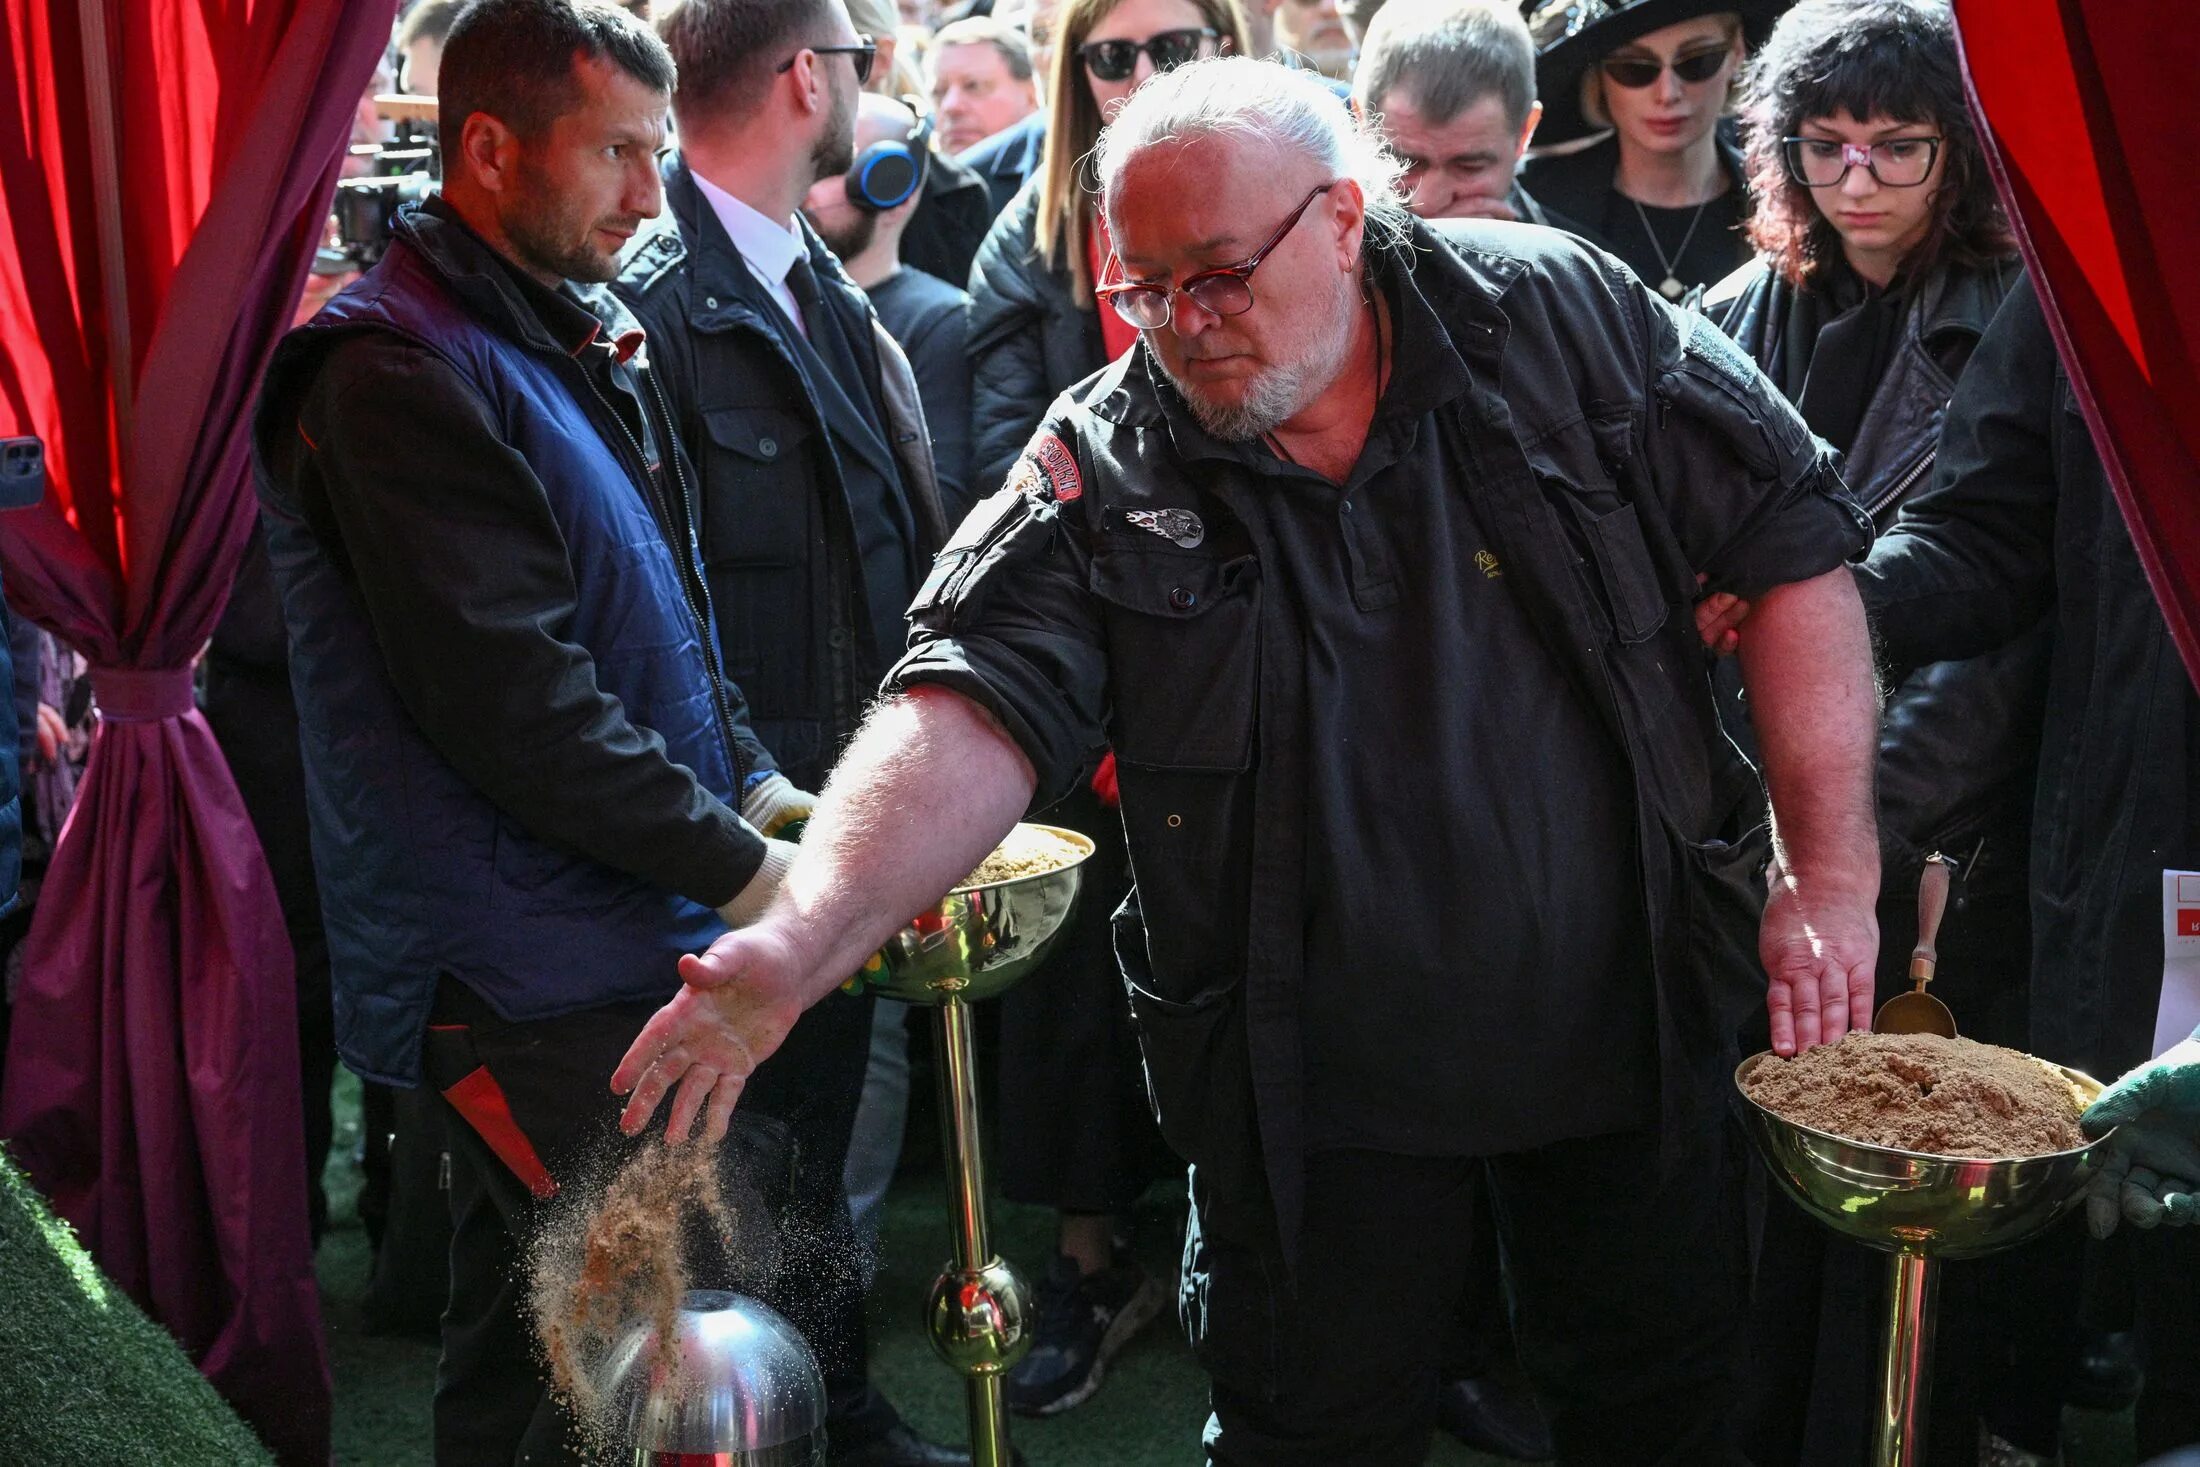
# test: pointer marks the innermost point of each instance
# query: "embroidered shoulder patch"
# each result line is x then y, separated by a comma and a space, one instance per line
1048, 470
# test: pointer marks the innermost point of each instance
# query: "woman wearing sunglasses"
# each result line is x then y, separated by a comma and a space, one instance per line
1882, 253
1075, 1132
1034, 326
1664, 191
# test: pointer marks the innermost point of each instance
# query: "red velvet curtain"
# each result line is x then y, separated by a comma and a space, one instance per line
2090, 110
164, 201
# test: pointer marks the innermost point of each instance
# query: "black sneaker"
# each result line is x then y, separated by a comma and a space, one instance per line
1083, 1323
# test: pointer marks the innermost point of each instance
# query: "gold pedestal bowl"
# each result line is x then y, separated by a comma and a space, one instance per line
1920, 1208
975, 943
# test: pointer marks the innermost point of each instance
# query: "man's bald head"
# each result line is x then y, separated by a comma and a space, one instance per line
883, 120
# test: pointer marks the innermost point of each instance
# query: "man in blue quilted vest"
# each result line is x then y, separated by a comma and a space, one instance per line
531, 787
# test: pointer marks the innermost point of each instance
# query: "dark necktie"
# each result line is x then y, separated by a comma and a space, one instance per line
827, 338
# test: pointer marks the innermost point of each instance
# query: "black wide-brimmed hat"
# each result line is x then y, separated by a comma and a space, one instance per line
1573, 35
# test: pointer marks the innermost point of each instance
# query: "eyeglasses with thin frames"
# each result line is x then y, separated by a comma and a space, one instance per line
1113, 60
864, 54
1637, 72
1227, 291
1825, 162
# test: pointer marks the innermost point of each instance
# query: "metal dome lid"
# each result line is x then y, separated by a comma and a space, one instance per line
739, 1385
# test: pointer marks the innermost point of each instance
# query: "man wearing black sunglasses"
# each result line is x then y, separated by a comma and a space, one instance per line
1375, 563
817, 505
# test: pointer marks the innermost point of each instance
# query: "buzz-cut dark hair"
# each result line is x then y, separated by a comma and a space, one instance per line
514, 59
1447, 55
728, 51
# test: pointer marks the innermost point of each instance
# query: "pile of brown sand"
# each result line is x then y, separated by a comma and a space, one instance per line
1920, 1092
1028, 851
604, 1263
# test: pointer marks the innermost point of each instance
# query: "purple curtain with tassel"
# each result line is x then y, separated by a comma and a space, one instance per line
165, 172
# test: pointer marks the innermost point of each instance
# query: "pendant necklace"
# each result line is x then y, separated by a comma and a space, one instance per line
1670, 287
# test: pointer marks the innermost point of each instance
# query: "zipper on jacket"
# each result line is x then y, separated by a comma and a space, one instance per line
698, 608
1903, 483
692, 562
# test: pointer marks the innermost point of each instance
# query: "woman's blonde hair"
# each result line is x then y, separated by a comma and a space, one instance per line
1598, 115
1066, 200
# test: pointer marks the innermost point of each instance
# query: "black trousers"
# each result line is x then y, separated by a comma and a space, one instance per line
1073, 1129
256, 724
782, 1168
1628, 1286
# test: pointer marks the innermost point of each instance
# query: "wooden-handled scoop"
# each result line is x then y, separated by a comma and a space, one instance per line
1918, 1012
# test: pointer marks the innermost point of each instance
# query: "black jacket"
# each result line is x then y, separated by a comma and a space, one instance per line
1006, 160
779, 529
1621, 447
1959, 741
2020, 524
1029, 339
1571, 188
950, 221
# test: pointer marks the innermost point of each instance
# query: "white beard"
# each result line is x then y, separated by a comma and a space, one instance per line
1281, 392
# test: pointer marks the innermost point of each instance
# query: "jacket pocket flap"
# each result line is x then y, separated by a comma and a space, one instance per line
1174, 584
763, 435
1629, 577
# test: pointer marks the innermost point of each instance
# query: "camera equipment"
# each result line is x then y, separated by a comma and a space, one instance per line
405, 170
22, 472
888, 172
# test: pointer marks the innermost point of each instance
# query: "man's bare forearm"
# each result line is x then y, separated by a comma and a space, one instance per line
1806, 661
925, 791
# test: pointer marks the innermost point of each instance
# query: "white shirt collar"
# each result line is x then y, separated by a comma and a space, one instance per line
768, 246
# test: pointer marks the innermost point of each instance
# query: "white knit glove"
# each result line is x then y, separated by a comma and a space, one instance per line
749, 903
774, 804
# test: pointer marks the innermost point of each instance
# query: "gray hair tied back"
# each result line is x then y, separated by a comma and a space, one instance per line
1238, 97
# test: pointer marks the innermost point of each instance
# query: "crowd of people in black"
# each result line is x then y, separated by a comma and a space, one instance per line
799, 437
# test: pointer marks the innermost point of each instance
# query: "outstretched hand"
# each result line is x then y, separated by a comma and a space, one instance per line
737, 1002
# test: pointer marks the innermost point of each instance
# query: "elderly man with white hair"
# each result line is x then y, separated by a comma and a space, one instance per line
1375, 564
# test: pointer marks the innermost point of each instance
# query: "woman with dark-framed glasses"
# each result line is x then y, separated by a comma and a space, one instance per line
1881, 247
1664, 190
1882, 253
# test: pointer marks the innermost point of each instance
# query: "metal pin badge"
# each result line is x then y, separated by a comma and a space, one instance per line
1180, 526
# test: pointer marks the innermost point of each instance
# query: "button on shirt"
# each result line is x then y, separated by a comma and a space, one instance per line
767, 246
1475, 938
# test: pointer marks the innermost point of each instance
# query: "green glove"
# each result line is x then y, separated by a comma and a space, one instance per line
2151, 1174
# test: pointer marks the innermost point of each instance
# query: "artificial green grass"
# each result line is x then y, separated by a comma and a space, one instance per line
84, 1375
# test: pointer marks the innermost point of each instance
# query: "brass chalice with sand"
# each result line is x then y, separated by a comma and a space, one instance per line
1917, 1206
975, 943
1920, 1208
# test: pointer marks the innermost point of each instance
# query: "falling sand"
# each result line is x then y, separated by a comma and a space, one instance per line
1920, 1092
596, 1271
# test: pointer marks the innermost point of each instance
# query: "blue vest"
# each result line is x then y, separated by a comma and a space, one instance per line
420, 874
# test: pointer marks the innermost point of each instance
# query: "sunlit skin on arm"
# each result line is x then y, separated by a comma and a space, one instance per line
1806, 662
929, 786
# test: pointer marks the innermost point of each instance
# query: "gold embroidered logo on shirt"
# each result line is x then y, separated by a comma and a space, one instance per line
1487, 564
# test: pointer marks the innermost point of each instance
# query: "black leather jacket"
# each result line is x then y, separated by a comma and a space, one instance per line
1029, 339
2019, 524
1959, 740
1618, 445
778, 530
